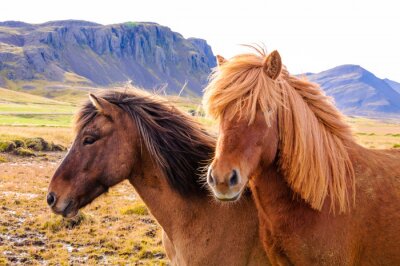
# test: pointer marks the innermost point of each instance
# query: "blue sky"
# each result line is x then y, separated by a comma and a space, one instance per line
310, 35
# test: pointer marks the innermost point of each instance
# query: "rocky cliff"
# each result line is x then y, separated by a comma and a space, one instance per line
148, 54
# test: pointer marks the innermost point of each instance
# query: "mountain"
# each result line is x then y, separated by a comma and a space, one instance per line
395, 85
359, 92
86, 53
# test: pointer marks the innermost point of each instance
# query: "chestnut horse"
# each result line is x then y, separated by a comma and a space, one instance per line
322, 199
136, 136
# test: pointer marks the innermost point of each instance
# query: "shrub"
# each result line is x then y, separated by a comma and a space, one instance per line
38, 144
7, 146
23, 152
397, 145
19, 143
58, 147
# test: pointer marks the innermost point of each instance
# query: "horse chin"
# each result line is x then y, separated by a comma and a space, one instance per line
231, 197
71, 213
234, 198
87, 199
69, 209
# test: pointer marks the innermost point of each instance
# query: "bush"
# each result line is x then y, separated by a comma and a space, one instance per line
38, 144
26, 147
19, 143
24, 152
58, 147
396, 145
7, 146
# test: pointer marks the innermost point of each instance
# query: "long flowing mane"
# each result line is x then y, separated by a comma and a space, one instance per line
176, 143
314, 137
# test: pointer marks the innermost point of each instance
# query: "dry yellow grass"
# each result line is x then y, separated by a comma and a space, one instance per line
376, 134
114, 229
58, 135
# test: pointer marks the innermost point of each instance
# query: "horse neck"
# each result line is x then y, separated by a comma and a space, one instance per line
163, 202
276, 202
198, 224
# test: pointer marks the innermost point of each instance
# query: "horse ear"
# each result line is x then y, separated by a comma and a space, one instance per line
220, 60
103, 106
273, 65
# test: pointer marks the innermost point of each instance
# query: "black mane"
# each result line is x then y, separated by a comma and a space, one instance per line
179, 145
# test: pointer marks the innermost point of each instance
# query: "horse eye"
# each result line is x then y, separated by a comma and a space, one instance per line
89, 140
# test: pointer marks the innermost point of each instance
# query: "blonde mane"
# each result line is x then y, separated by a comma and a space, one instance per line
313, 154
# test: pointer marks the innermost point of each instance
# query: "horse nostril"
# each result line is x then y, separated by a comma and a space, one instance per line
234, 180
51, 199
210, 178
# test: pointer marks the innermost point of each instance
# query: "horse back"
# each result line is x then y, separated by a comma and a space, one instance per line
377, 206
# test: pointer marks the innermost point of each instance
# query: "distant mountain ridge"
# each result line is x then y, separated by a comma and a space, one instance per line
148, 54
64, 59
359, 92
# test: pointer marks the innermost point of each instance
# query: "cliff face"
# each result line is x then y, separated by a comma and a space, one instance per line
148, 54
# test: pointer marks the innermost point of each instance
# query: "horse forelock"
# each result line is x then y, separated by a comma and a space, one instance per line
313, 136
176, 143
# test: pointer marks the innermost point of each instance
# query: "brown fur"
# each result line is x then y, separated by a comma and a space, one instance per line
310, 126
135, 136
286, 138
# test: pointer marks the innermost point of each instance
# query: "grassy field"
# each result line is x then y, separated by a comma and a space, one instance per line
114, 230
376, 134
22, 109
73, 92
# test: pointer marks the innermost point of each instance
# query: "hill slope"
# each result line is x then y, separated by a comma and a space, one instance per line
18, 108
395, 85
359, 92
148, 54
15, 102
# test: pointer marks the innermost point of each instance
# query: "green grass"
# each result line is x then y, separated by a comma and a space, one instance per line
23, 109
36, 120
31, 108
130, 24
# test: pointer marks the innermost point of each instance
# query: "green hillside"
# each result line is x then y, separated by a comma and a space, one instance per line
23, 109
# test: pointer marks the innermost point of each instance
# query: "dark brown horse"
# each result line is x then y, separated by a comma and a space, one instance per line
322, 199
159, 149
